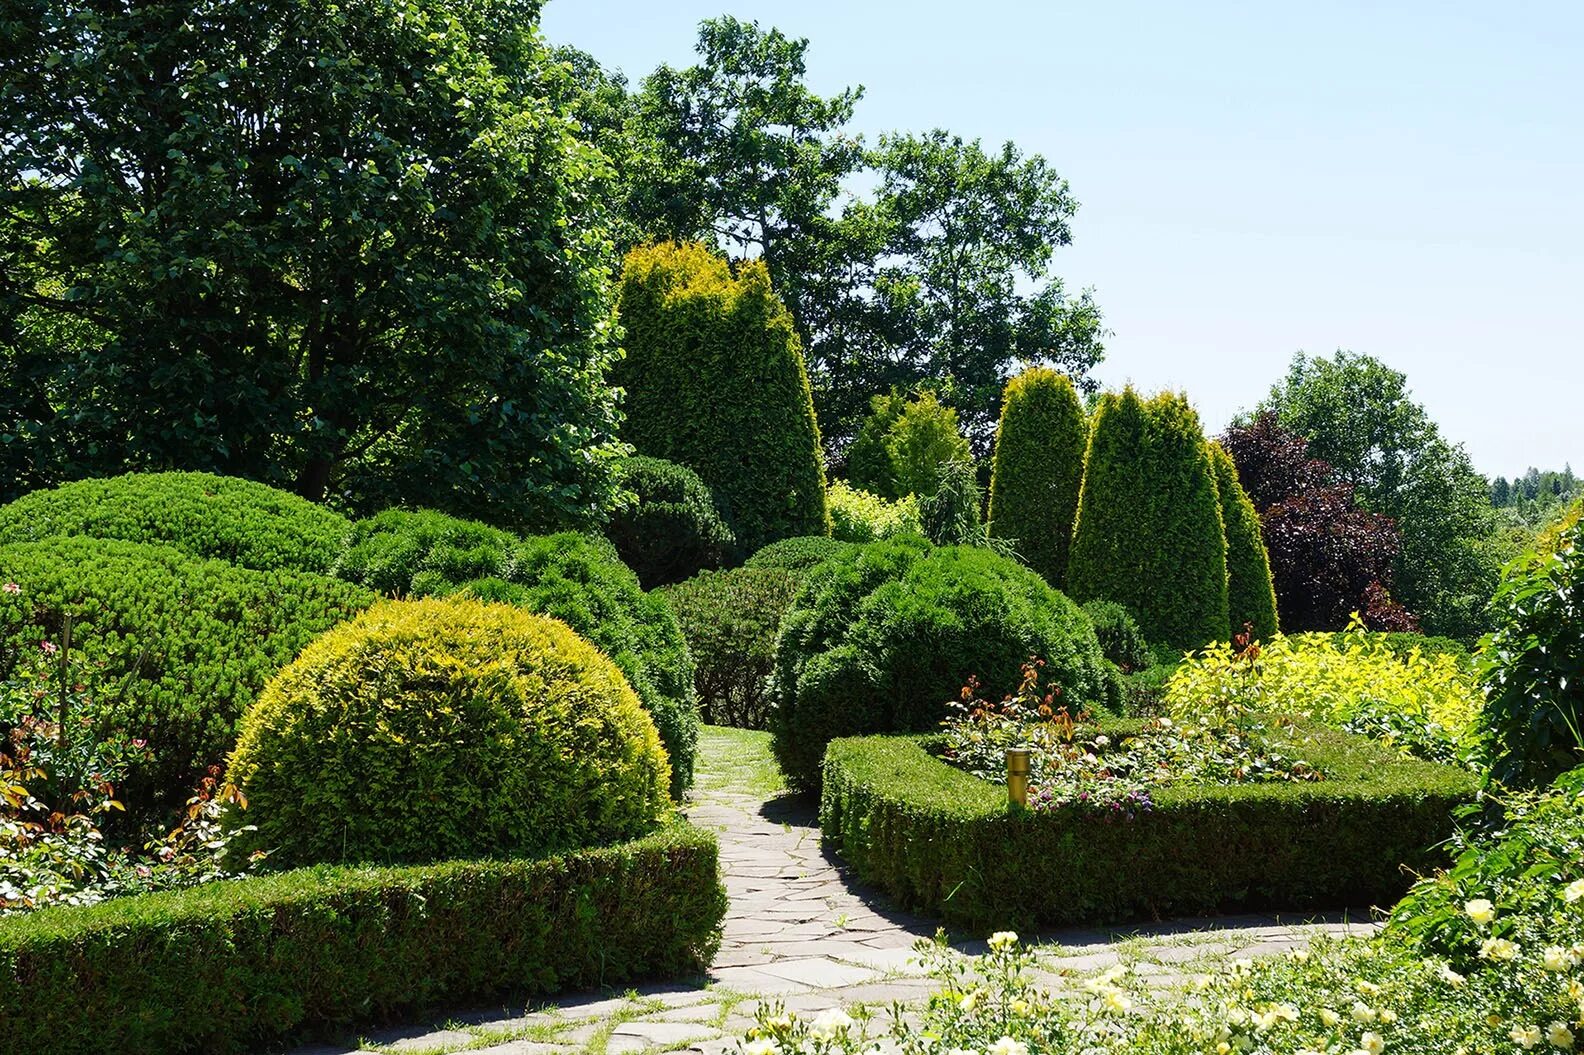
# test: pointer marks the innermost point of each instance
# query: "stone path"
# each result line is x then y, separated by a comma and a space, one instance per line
799, 932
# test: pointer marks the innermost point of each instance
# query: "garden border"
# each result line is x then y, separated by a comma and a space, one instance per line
944, 842
237, 965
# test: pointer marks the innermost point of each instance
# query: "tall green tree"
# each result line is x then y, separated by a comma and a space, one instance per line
347, 248
1359, 416
1149, 534
1251, 593
975, 233
1038, 467
904, 445
715, 381
941, 271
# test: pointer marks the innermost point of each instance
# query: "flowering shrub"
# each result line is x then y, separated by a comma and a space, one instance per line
1073, 764
1424, 703
58, 781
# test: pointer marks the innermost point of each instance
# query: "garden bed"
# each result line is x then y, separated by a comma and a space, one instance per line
233, 966
942, 841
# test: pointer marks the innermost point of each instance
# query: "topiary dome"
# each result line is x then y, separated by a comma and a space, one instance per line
447, 728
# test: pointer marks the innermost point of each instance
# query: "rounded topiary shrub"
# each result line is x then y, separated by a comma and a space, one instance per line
447, 728
1118, 632
1251, 594
1148, 533
673, 530
731, 619
798, 555
715, 380
176, 647
1038, 467
246, 523
883, 637
575, 578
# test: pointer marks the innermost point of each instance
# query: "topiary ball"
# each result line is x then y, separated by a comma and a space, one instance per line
673, 530
1119, 635
447, 728
881, 638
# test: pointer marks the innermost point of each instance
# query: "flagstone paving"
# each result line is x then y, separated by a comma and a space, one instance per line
801, 932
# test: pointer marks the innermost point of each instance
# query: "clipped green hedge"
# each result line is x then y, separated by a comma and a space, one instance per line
446, 728
232, 967
946, 843
182, 645
1251, 594
576, 578
800, 554
715, 380
672, 530
248, 524
1038, 467
883, 637
1149, 534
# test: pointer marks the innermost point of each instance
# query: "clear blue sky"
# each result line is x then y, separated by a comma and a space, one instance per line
1405, 179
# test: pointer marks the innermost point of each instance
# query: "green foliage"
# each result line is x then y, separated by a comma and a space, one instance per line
1359, 416
858, 516
447, 728
233, 520
731, 619
1425, 702
943, 842
904, 446
402, 297
799, 555
715, 381
1119, 636
869, 464
182, 646
883, 637
922, 440
1529, 871
1251, 595
949, 515
1038, 468
1149, 534
673, 529
1532, 665
575, 578
236, 967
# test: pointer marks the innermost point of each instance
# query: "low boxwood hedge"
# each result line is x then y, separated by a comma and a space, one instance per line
944, 842
235, 966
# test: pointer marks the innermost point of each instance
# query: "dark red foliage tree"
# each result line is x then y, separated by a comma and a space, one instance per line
1329, 558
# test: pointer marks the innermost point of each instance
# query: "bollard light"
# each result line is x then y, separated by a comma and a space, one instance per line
1017, 775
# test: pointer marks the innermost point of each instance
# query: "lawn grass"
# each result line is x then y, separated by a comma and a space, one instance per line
737, 761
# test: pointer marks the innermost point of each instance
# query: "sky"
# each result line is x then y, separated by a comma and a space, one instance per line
1401, 179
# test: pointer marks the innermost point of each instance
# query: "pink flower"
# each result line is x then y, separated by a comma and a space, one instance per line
12, 587
49, 647
139, 743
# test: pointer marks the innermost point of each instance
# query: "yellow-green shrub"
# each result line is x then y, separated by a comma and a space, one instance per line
447, 728
860, 516
1425, 702
715, 381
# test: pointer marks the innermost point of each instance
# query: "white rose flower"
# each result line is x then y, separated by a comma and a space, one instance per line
763, 1046
1373, 1043
1008, 1046
1480, 910
830, 1022
1574, 891
1003, 939
1556, 958
1525, 1037
1559, 1036
1498, 949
